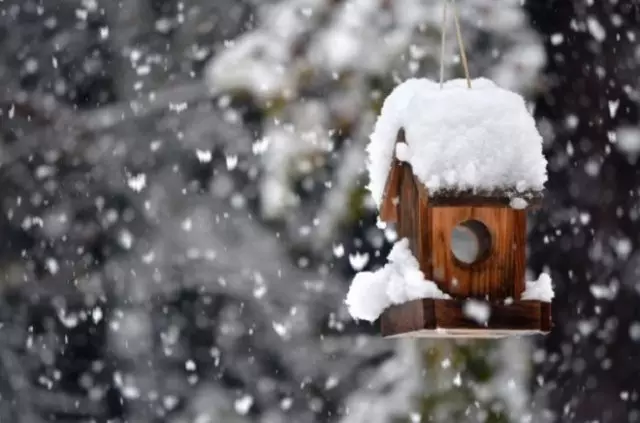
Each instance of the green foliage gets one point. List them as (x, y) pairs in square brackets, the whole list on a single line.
[(454, 371)]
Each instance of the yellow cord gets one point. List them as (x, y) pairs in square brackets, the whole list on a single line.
[(463, 54), (442, 46)]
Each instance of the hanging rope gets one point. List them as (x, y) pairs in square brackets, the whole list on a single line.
[(463, 54), (443, 43)]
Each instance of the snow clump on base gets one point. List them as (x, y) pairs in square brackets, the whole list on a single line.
[(540, 290), (399, 281)]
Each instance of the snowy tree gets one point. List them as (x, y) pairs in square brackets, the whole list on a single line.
[(138, 282), (318, 71), (586, 233), (183, 200), (315, 74)]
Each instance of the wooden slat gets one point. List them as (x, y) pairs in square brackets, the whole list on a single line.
[(517, 316), (402, 226), (406, 318), (499, 198), (546, 322), (406, 206), (388, 207), (501, 275), (410, 208), (433, 317), (424, 228), (518, 250)]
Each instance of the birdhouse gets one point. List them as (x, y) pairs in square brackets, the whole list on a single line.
[(455, 172)]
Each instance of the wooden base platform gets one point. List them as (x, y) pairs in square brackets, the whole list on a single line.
[(446, 319)]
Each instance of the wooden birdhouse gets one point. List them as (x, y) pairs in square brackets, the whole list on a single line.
[(456, 171)]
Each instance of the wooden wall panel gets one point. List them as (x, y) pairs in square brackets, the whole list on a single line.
[(388, 208), (402, 226), (499, 276), (447, 318), (414, 220), (424, 253), (406, 206)]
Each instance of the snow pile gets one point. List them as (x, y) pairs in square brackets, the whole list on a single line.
[(540, 290), (457, 138), (397, 282)]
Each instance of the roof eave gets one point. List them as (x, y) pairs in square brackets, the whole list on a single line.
[(494, 198)]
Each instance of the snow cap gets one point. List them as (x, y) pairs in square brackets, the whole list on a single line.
[(482, 140)]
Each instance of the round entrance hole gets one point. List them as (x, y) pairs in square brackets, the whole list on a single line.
[(470, 242)]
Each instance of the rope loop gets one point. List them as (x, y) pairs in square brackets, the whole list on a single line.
[(463, 53)]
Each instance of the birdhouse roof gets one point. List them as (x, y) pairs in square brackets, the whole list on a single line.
[(480, 141)]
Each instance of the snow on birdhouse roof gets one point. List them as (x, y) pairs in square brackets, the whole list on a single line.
[(481, 140)]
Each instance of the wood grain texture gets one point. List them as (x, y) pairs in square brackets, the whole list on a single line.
[(518, 315), (388, 207), (501, 275), (546, 321), (438, 318), (403, 225), (408, 209), (497, 198), (424, 254), (414, 221), (406, 318)]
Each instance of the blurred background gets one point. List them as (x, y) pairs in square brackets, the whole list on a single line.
[(183, 205)]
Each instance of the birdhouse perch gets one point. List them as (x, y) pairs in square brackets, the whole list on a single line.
[(456, 171)]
